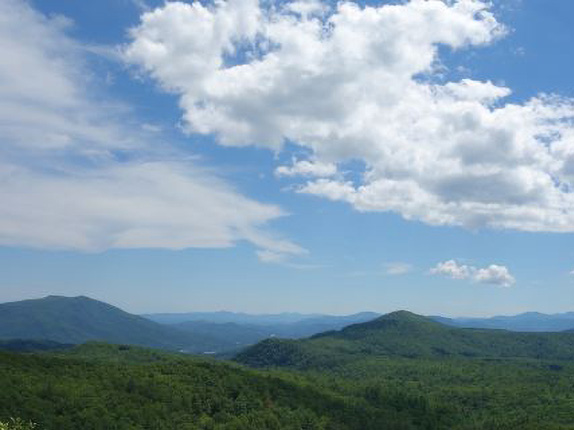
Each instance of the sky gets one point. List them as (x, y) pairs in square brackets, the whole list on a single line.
[(270, 156)]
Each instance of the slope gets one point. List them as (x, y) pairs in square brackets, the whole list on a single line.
[(80, 319)]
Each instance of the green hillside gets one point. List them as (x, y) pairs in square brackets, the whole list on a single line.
[(404, 334), (489, 379), (80, 319), (109, 387)]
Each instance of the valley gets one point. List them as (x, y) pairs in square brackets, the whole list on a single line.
[(397, 371)]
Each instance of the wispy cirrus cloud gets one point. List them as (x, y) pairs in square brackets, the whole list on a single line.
[(398, 268), (78, 171)]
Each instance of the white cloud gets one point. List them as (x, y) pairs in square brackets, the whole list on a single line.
[(307, 168), (356, 83), (42, 102), (267, 256), (397, 268), (493, 274), (156, 204), (452, 269), (141, 5), (62, 185)]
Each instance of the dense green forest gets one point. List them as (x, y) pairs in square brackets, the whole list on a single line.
[(121, 387), (99, 386)]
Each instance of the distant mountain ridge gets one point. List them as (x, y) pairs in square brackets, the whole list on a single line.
[(224, 317), (240, 330), (525, 322), (404, 334)]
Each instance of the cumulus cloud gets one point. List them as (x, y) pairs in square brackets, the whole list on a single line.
[(493, 274), (398, 268), (357, 83), (452, 270), (62, 183)]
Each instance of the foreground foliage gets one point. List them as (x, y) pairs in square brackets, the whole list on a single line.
[(111, 387), (114, 387), (16, 424)]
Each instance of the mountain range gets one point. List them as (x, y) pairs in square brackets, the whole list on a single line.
[(527, 322), (294, 325), (231, 317), (245, 329), (407, 335), (74, 320)]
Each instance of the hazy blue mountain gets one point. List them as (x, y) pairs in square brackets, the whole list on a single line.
[(294, 325), (404, 334), (237, 330), (526, 322), (237, 335), (80, 319), (233, 335), (229, 317)]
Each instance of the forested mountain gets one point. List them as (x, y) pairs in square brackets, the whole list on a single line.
[(404, 334), (80, 319), (527, 322)]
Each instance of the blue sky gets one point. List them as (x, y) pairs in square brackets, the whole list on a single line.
[(171, 157)]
